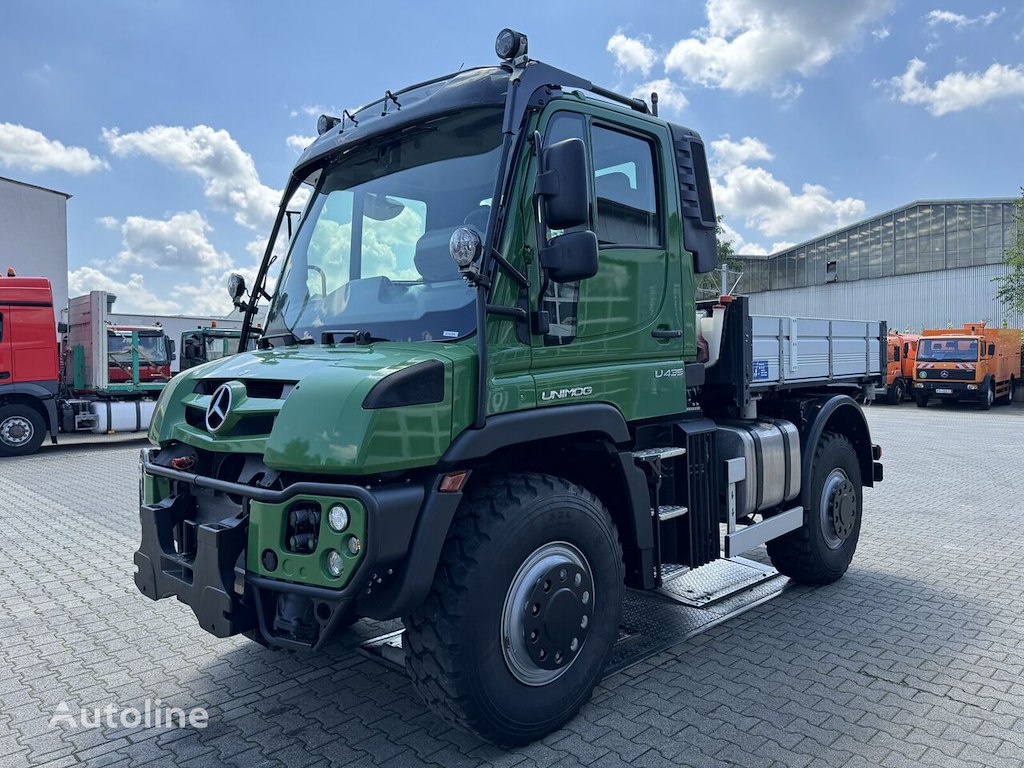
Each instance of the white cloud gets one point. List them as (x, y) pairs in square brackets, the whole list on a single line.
[(750, 194), (299, 143), (880, 33), (229, 174), (132, 295), (958, 90), (177, 243), (728, 154), (632, 54), (22, 147), (671, 98), (754, 44), (108, 222), (958, 20), (210, 295)]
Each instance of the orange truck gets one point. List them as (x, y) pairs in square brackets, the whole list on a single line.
[(901, 354), (975, 363)]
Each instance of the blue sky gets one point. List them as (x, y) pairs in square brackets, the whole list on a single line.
[(175, 124)]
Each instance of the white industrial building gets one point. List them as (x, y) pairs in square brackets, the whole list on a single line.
[(34, 234), (929, 264)]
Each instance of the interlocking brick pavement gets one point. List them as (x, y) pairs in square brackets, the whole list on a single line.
[(915, 658)]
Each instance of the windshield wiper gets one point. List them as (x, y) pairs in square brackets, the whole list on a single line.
[(286, 335)]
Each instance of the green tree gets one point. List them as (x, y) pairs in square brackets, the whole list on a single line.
[(1011, 285)]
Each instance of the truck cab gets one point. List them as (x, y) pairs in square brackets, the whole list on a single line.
[(901, 356), (28, 364), (212, 343), (478, 403), (138, 353)]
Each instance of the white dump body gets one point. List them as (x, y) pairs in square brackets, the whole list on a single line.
[(803, 350)]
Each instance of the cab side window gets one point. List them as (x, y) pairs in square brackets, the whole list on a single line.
[(627, 200)]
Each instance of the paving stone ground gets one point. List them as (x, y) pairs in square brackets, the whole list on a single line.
[(916, 657)]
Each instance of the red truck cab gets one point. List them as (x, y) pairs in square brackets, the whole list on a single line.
[(28, 364), (154, 354)]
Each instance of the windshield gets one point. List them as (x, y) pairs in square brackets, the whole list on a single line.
[(948, 350), (152, 349), (371, 253), (223, 345)]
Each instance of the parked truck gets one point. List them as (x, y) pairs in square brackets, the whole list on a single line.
[(206, 343), (974, 364), (899, 377), (487, 402), (97, 377)]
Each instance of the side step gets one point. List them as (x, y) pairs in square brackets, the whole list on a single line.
[(715, 581), (650, 624)]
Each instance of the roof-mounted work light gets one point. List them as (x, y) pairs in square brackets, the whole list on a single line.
[(510, 44), (325, 122)]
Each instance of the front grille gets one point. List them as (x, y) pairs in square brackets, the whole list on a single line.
[(267, 389), (952, 374), (247, 426)]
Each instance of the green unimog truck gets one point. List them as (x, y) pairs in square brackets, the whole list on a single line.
[(486, 401)]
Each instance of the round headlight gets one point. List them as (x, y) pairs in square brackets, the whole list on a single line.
[(337, 517), (335, 564), (465, 246)]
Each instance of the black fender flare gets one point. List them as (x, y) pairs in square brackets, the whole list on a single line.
[(841, 414), (598, 420)]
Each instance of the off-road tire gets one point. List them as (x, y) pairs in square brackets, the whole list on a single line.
[(453, 642), (803, 554), (24, 414), (894, 396), (921, 400)]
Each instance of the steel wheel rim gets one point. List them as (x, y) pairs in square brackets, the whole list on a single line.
[(519, 650), (16, 431), (838, 508), (990, 395)]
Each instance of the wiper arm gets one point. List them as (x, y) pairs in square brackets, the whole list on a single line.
[(285, 335)]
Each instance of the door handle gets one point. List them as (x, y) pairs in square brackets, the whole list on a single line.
[(5, 375), (666, 333)]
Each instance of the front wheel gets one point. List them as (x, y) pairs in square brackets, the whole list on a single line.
[(523, 612), (21, 430), (988, 397), (895, 394), (921, 399), (820, 551)]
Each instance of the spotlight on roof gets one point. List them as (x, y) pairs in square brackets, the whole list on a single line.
[(510, 44), (325, 122)]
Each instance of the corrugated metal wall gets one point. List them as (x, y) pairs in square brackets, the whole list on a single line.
[(917, 301)]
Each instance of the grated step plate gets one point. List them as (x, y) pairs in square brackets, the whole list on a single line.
[(712, 582)]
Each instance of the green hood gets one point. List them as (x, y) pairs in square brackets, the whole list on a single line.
[(302, 407)]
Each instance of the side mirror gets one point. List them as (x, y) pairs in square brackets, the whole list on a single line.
[(171, 355), (991, 350), (571, 256), (236, 287), (562, 184)]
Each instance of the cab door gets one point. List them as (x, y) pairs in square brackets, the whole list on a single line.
[(618, 337)]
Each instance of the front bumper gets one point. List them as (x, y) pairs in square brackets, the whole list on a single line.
[(203, 562), (961, 390)]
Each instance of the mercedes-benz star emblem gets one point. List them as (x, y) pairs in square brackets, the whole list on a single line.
[(944, 374), (218, 409)]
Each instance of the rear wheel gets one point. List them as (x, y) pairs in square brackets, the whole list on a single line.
[(1007, 399), (21, 430), (820, 551), (524, 610)]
